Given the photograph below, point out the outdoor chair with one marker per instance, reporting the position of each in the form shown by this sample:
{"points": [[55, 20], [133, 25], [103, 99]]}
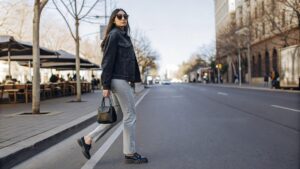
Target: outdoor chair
{"points": [[8, 89], [57, 89], [1, 92], [47, 91], [28, 93], [21, 93]]}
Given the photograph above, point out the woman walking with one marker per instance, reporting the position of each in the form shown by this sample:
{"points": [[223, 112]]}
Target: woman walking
{"points": [[119, 72]]}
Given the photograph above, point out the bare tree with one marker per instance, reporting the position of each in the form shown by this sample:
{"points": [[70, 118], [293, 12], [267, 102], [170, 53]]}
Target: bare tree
{"points": [[56, 37], [91, 50], [146, 55], [77, 10], [284, 17], [14, 18], [207, 51], [193, 63], [38, 7]]}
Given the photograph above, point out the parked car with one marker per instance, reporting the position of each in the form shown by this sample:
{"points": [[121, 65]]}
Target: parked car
{"points": [[165, 82]]}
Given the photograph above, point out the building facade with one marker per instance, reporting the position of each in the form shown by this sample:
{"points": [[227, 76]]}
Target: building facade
{"points": [[265, 26]]}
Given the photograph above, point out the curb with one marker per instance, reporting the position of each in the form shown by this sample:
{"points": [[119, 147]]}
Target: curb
{"points": [[21, 151], [252, 88]]}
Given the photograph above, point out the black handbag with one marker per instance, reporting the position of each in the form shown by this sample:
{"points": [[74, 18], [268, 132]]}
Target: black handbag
{"points": [[106, 113]]}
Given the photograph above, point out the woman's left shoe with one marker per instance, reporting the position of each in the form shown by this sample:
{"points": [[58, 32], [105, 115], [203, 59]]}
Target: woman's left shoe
{"points": [[135, 159], [85, 147]]}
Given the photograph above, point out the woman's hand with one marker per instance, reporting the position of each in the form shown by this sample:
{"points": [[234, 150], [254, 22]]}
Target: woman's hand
{"points": [[106, 93]]}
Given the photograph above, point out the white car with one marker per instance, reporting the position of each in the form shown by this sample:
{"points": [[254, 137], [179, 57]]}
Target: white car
{"points": [[165, 82]]}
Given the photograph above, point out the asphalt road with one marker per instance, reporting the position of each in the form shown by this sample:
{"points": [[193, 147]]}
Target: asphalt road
{"points": [[190, 126]]}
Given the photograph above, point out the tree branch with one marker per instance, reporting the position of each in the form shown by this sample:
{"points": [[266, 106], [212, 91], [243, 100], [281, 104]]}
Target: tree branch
{"points": [[72, 7], [43, 4], [69, 27], [70, 12], [93, 6], [82, 5]]}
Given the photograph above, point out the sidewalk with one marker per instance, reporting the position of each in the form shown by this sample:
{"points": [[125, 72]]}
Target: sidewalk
{"points": [[252, 86], [22, 136]]}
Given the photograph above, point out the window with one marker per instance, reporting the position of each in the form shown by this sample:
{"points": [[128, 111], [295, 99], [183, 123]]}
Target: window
{"points": [[283, 18], [255, 13], [263, 28], [263, 8], [267, 63], [241, 21], [273, 6], [272, 25], [274, 59], [259, 72], [253, 67], [256, 31]]}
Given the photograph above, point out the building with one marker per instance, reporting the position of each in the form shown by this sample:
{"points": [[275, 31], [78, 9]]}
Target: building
{"points": [[223, 9], [261, 28]]}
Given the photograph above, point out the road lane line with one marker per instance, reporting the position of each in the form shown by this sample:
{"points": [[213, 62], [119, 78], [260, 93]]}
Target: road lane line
{"points": [[221, 93], [90, 164], [286, 108]]}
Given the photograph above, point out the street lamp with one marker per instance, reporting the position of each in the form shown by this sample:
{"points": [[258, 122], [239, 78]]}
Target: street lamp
{"points": [[219, 66], [246, 32]]}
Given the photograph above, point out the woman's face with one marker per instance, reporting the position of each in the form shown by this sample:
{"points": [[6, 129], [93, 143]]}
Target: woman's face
{"points": [[121, 19]]}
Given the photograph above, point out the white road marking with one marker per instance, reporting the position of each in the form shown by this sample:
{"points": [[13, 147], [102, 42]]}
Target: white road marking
{"points": [[286, 108], [90, 164], [167, 97], [221, 93]]}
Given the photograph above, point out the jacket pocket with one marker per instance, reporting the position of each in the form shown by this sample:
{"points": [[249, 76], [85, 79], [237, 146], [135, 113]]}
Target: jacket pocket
{"points": [[124, 44]]}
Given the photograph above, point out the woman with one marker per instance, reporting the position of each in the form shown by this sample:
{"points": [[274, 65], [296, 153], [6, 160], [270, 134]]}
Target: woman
{"points": [[120, 69]]}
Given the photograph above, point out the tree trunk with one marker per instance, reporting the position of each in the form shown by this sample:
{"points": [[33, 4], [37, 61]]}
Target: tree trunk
{"points": [[78, 97], [249, 62], [36, 60]]}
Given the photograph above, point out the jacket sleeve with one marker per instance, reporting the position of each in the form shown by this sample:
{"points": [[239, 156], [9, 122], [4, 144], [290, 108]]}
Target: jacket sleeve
{"points": [[108, 60]]}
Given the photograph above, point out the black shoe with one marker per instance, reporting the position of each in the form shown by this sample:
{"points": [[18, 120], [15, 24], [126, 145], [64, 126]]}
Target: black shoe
{"points": [[135, 159], [85, 147]]}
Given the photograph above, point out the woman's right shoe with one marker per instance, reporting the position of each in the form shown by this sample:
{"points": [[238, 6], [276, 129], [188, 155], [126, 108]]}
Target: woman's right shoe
{"points": [[135, 159], [84, 147]]}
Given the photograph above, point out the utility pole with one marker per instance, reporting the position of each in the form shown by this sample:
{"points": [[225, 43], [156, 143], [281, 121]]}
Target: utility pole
{"points": [[240, 68], [105, 15]]}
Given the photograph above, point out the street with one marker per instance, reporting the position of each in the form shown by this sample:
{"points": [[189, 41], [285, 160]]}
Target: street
{"points": [[192, 126]]}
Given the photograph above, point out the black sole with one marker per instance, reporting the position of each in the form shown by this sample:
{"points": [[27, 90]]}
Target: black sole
{"points": [[130, 161]]}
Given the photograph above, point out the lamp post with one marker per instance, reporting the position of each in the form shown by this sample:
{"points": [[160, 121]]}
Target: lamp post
{"points": [[219, 66], [240, 67]]}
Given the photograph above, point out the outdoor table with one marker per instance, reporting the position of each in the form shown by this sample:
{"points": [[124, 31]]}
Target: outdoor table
{"points": [[12, 91]]}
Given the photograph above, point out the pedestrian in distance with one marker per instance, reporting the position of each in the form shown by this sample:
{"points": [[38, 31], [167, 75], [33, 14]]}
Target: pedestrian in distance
{"points": [[266, 80], [119, 70]]}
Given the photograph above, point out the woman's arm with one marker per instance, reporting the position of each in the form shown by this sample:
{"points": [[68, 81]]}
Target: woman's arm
{"points": [[108, 61]]}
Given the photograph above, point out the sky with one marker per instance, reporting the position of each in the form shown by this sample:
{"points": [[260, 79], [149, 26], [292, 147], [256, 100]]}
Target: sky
{"points": [[176, 28]]}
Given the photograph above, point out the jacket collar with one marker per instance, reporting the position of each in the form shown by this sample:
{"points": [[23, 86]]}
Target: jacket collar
{"points": [[121, 31]]}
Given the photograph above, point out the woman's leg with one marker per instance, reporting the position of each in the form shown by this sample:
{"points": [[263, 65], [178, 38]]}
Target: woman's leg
{"points": [[89, 138], [124, 95]]}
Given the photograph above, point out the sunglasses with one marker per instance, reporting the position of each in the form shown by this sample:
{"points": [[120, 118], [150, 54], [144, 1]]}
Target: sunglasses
{"points": [[120, 16]]}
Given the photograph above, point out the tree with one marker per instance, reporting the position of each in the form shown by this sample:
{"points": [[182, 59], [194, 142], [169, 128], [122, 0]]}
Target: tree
{"points": [[76, 11], [38, 7], [193, 63], [146, 55], [91, 50], [282, 14], [14, 18]]}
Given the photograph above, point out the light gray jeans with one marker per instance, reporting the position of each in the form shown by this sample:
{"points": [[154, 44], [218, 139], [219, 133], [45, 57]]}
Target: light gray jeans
{"points": [[123, 101]]}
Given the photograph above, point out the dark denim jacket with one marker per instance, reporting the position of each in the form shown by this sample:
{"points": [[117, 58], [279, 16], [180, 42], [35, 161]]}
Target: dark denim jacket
{"points": [[119, 60]]}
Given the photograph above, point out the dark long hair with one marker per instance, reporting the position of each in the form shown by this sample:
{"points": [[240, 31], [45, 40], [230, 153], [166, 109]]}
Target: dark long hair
{"points": [[112, 25]]}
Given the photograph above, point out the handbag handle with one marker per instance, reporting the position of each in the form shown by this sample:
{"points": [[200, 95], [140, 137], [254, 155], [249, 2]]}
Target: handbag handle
{"points": [[103, 102]]}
